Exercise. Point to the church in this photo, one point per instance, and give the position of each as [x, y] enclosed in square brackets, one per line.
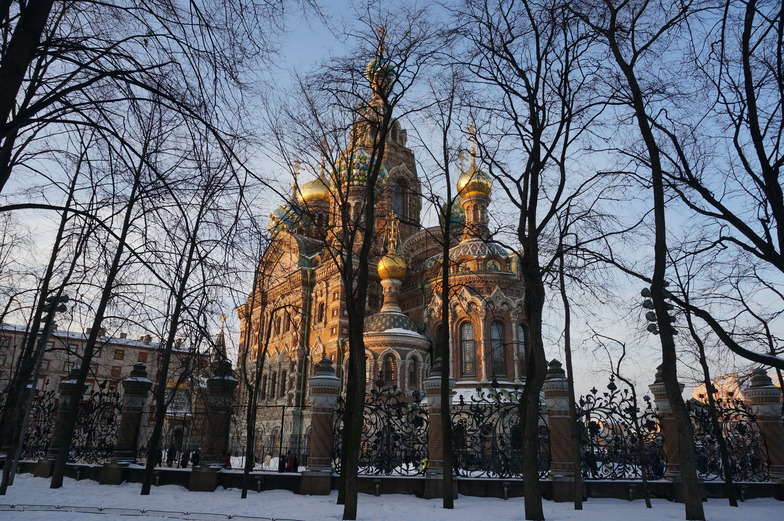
[296, 312]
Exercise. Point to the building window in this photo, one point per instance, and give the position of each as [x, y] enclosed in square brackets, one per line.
[389, 370]
[399, 199]
[413, 372]
[143, 356]
[273, 384]
[497, 349]
[521, 347]
[264, 387]
[467, 352]
[119, 354]
[322, 314]
[283, 381]
[68, 366]
[116, 371]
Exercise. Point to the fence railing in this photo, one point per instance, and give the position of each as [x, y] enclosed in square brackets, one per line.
[488, 439]
[620, 438]
[394, 434]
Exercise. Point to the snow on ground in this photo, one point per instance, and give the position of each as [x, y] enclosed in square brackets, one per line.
[78, 498]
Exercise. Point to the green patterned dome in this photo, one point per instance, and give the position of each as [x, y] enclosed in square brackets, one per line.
[380, 322]
[287, 218]
[353, 169]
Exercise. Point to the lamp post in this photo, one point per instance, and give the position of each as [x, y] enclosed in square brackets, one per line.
[54, 304]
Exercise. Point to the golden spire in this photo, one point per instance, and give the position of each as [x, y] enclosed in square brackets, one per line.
[393, 231]
[296, 168]
[471, 129]
[392, 265]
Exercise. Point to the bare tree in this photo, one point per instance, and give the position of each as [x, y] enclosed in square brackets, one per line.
[525, 59]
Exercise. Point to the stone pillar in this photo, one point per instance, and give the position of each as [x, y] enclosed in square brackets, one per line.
[68, 390]
[668, 428]
[764, 398]
[220, 398]
[435, 465]
[562, 430]
[135, 391]
[324, 390]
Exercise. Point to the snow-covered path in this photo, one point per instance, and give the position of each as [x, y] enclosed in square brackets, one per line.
[173, 502]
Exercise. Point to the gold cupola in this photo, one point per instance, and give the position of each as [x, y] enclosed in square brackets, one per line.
[474, 181]
[392, 265]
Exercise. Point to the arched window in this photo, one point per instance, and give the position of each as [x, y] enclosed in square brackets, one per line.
[263, 387]
[521, 347]
[399, 198]
[273, 384]
[467, 352]
[322, 312]
[389, 370]
[497, 349]
[413, 372]
[283, 383]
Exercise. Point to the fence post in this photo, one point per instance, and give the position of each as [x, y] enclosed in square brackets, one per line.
[435, 439]
[669, 431]
[562, 430]
[220, 399]
[764, 398]
[135, 391]
[324, 390]
[68, 388]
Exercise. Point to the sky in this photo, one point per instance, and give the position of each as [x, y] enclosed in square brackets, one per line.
[35, 501]
[307, 42]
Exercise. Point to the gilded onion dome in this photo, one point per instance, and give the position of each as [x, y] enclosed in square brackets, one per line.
[316, 190]
[392, 265]
[474, 182]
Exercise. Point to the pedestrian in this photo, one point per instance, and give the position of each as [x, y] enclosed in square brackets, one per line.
[184, 458]
[170, 453]
[196, 457]
[282, 463]
[228, 459]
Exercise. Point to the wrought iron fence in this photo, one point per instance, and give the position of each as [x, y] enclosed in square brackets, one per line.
[618, 438]
[96, 425]
[488, 439]
[40, 425]
[745, 444]
[95, 430]
[394, 434]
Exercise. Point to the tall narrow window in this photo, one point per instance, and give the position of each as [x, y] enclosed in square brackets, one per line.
[467, 352]
[283, 382]
[521, 347]
[413, 372]
[389, 370]
[399, 201]
[497, 349]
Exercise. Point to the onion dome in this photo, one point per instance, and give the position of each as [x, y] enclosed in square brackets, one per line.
[353, 169]
[474, 182]
[287, 218]
[392, 266]
[316, 190]
[381, 322]
[457, 218]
